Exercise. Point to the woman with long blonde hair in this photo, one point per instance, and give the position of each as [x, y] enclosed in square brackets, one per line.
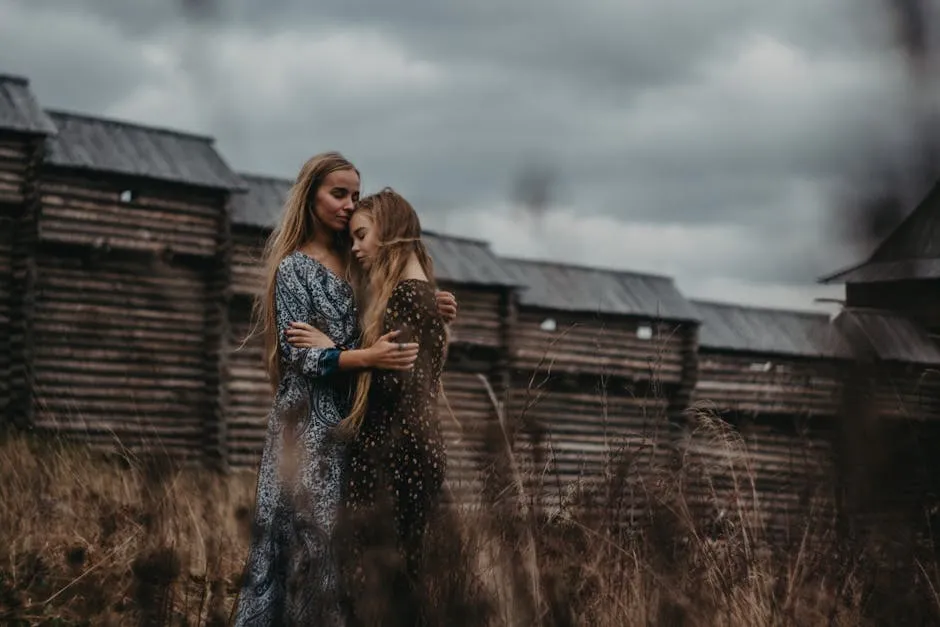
[396, 464]
[292, 576]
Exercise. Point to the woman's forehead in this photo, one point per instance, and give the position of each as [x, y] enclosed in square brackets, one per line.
[348, 179]
[359, 218]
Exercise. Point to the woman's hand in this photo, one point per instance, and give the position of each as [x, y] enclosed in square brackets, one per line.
[387, 354]
[303, 335]
[447, 306]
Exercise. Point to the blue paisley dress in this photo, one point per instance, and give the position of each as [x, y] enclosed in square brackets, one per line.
[291, 576]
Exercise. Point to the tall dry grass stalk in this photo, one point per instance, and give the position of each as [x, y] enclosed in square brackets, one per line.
[89, 540]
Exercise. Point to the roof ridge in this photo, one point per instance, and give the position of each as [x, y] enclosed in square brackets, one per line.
[799, 312]
[581, 266]
[265, 177]
[459, 238]
[905, 225]
[128, 123]
[14, 78]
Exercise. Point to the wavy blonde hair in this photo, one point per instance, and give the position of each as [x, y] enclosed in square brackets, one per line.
[398, 230]
[296, 228]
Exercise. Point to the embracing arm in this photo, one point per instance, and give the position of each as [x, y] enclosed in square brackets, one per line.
[385, 354]
[293, 302]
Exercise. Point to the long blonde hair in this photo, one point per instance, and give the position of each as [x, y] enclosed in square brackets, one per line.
[296, 228]
[399, 234]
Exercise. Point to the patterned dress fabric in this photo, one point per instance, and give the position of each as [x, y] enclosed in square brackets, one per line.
[292, 574]
[395, 471]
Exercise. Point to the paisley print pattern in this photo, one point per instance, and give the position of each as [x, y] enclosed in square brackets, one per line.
[291, 576]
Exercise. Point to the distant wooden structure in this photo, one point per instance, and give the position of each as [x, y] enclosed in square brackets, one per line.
[131, 261]
[891, 418]
[477, 374]
[24, 127]
[248, 390]
[776, 377]
[891, 410]
[602, 362]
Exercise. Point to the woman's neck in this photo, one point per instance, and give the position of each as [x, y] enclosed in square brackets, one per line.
[413, 269]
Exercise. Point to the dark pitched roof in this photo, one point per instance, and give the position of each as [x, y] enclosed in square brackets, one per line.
[761, 330]
[911, 251]
[567, 287]
[112, 146]
[891, 336]
[261, 203]
[19, 109]
[466, 261]
[456, 259]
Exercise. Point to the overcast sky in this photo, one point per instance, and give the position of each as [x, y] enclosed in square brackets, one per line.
[705, 140]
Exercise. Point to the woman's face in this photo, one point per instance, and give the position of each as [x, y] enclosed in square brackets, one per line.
[365, 238]
[335, 199]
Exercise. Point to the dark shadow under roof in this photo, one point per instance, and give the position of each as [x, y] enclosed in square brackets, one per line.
[112, 146]
[738, 328]
[890, 336]
[567, 287]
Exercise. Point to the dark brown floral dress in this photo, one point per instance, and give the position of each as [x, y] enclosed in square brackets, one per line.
[395, 470]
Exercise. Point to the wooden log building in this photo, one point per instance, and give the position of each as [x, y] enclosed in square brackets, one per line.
[891, 418]
[775, 378]
[128, 261]
[602, 363]
[254, 214]
[891, 410]
[131, 266]
[24, 127]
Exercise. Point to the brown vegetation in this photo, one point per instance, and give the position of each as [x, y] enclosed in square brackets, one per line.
[126, 540]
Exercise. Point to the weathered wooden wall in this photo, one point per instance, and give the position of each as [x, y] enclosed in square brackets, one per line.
[247, 249]
[771, 473]
[78, 208]
[15, 155]
[592, 444]
[771, 460]
[126, 283]
[21, 296]
[759, 384]
[479, 323]
[598, 345]
[8, 215]
[250, 394]
[470, 423]
[120, 351]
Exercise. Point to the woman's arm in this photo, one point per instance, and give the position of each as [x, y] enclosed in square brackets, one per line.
[292, 301]
[385, 354]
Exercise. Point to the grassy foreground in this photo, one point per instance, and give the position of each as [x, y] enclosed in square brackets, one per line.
[89, 541]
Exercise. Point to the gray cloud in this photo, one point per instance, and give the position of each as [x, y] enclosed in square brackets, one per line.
[718, 133]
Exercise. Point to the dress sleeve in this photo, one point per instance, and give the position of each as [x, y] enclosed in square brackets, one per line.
[410, 312]
[293, 301]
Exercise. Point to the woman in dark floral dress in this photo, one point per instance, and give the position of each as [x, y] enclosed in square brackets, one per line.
[292, 575]
[396, 458]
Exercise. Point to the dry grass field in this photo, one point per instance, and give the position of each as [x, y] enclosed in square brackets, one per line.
[88, 540]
